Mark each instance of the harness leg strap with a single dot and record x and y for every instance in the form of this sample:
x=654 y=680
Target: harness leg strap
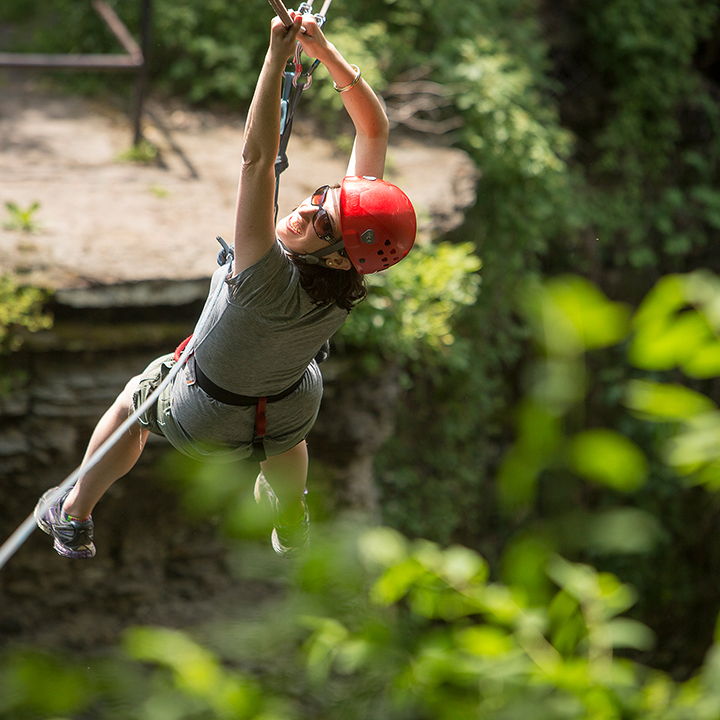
x=258 y=452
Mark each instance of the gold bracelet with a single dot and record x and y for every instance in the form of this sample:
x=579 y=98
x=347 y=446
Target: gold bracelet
x=355 y=81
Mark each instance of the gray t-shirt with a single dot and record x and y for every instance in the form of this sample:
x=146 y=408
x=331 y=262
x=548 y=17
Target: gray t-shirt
x=260 y=336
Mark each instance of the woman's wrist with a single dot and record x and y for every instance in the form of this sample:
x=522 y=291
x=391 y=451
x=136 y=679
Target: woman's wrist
x=325 y=53
x=275 y=60
x=343 y=74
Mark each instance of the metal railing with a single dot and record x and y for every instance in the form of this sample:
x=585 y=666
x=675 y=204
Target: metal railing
x=134 y=59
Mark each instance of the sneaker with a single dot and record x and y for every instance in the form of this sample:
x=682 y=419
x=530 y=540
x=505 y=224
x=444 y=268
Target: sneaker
x=73 y=538
x=288 y=541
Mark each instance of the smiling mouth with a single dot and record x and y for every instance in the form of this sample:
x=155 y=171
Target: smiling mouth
x=293 y=225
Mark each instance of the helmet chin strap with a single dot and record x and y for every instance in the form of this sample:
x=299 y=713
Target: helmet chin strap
x=316 y=257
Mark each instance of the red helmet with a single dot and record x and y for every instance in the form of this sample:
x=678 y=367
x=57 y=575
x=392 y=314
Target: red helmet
x=377 y=222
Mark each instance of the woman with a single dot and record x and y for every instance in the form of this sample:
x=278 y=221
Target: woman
x=252 y=385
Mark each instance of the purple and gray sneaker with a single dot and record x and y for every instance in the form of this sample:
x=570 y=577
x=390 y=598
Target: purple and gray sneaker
x=73 y=538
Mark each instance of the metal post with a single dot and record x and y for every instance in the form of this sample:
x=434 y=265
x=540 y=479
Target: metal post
x=142 y=76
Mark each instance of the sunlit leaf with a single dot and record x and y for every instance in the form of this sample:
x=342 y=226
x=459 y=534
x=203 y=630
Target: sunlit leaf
x=702 y=288
x=664 y=300
x=571 y=315
x=382 y=546
x=665 y=401
x=670 y=341
x=397 y=582
x=705 y=362
x=587 y=585
x=606 y=457
x=323 y=644
x=628 y=633
x=597 y=321
x=485 y=641
x=697 y=444
x=196 y=668
x=461 y=566
x=524 y=562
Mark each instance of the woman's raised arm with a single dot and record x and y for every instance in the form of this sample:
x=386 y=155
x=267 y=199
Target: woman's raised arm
x=254 y=212
x=361 y=103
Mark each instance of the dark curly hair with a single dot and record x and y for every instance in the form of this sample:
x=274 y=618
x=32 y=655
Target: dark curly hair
x=346 y=288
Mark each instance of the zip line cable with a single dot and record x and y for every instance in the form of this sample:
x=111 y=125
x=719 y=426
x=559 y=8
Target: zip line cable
x=292 y=89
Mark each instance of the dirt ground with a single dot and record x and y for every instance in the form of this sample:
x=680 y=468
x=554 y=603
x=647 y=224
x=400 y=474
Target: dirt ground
x=104 y=221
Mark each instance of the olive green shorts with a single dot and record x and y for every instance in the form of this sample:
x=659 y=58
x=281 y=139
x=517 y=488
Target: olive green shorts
x=150 y=380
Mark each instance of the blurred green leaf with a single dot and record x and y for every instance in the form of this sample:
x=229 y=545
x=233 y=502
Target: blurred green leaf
x=572 y=315
x=587 y=585
x=665 y=401
x=46 y=685
x=670 y=342
x=612 y=531
x=462 y=567
x=196 y=670
x=696 y=444
x=524 y=562
x=664 y=300
x=486 y=641
x=606 y=457
x=539 y=437
x=383 y=547
x=628 y=633
x=704 y=362
x=598 y=321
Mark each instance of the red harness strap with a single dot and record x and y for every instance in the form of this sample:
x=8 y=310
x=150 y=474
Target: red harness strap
x=179 y=349
x=260 y=430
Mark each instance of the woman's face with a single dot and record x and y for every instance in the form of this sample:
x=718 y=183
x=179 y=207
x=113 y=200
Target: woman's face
x=297 y=232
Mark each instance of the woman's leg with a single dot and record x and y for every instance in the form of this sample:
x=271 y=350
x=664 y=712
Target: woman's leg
x=287 y=474
x=118 y=461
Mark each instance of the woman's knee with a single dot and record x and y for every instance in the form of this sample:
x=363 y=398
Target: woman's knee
x=124 y=401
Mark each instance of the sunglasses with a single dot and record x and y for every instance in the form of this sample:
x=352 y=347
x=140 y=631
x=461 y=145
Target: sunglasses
x=321 y=221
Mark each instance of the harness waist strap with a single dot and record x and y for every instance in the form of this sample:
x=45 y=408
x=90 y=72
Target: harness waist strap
x=231 y=398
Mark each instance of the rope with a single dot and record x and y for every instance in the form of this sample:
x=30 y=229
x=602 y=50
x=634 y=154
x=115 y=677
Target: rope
x=13 y=543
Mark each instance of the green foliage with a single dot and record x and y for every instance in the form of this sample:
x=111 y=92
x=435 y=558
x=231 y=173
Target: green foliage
x=655 y=199
x=409 y=312
x=19 y=219
x=372 y=625
x=197 y=677
x=677 y=326
x=20 y=307
x=144 y=152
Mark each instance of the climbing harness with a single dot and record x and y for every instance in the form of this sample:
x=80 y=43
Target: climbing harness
x=295 y=81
